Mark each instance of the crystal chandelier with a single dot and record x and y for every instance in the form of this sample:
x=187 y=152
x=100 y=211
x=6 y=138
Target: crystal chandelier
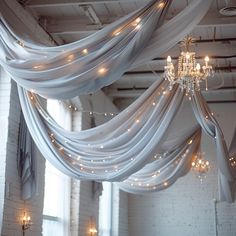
x=189 y=73
x=200 y=166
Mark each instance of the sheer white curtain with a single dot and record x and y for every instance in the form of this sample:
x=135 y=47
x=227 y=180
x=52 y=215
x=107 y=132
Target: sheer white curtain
x=56 y=212
x=105 y=210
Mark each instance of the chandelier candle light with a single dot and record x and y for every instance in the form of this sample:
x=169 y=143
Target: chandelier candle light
x=189 y=73
x=200 y=166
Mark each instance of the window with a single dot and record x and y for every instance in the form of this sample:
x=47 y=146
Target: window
x=105 y=210
x=56 y=211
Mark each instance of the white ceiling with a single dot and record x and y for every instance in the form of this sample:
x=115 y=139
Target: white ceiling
x=70 y=20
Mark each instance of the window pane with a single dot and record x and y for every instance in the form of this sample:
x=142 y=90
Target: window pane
x=52 y=228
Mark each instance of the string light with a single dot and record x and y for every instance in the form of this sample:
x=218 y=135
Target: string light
x=190 y=142
x=102 y=71
x=161 y=5
x=37 y=67
x=70 y=58
x=85 y=51
x=138 y=27
x=138 y=20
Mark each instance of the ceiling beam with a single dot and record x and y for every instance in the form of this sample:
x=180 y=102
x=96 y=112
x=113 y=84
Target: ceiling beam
x=56 y=3
x=27 y=21
x=77 y=25
x=134 y=93
x=91 y=14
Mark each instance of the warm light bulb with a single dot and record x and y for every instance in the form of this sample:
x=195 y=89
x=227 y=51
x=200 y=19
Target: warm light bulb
x=102 y=71
x=161 y=5
x=198 y=67
x=138 y=27
x=70 y=58
x=187 y=56
x=85 y=51
x=169 y=59
x=138 y=20
x=207 y=59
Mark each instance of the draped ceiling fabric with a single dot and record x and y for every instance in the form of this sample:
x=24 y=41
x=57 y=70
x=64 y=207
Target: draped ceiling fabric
x=209 y=124
x=112 y=151
x=130 y=141
x=173 y=163
x=98 y=60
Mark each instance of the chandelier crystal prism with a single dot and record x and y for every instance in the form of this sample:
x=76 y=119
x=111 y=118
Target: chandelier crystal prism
x=189 y=73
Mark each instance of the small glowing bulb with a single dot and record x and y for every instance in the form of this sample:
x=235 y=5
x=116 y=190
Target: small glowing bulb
x=207 y=59
x=169 y=59
x=138 y=20
x=138 y=27
x=28 y=218
x=85 y=51
x=137 y=121
x=102 y=71
x=190 y=142
x=161 y=5
x=70 y=58
x=187 y=56
x=198 y=67
x=166 y=184
x=117 y=33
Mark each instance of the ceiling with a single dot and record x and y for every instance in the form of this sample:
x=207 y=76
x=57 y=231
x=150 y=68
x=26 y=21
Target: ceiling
x=70 y=20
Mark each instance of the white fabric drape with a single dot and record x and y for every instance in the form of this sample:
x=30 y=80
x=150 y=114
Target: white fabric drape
x=127 y=143
x=167 y=167
x=209 y=124
x=65 y=71
x=113 y=150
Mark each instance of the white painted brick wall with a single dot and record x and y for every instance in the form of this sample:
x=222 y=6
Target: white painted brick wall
x=186 y=208
x=11 y=204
